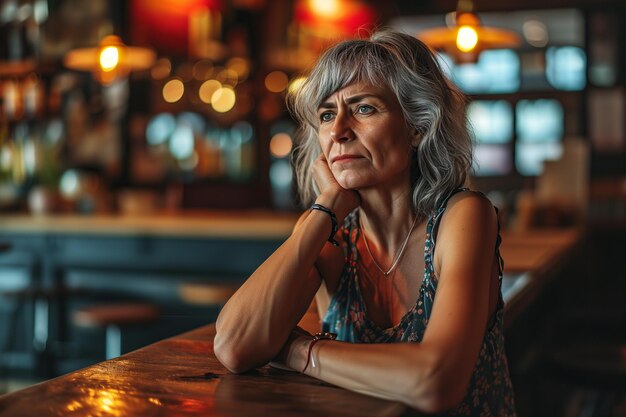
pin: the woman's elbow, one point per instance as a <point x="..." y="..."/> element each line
<point x="435" y="403"/>
<point x="434" y="393"/>
<point x="229" y="356"/>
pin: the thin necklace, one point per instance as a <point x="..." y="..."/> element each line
<point x="398" y="256"/>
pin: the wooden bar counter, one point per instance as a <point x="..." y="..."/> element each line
<point x="180" y="376"/>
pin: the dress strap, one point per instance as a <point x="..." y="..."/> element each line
<point x="441" y="207"/>
<point x="444" y="201"/>
<point x="429" y="284"/>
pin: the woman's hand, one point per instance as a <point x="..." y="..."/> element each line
<point x="332" y="195"/>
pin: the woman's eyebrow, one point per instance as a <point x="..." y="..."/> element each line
<point x="360" y="97"/>
<point x="350" y="100"/>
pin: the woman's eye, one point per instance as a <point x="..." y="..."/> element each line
<point x="364" y="109"/>
<point x="326" y="116"/>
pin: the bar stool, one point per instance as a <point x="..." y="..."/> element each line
<point x="112" y="317"/>
<point x="30" y="300"/>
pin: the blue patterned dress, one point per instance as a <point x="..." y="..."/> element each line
<point x="490" y="392"/>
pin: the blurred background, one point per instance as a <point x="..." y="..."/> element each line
<point x="145" y="160"/>
<point x="185" y="109"/>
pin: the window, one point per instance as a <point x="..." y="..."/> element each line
<point x="566" y="67"/>
<point x="497" y="71"/>
<point x="492" y="125"/>
<point x="539" y="134"/>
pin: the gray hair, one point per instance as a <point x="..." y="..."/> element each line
<point x="430" y="103"/>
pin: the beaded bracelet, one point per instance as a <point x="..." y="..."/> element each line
<point x="333" y="219"/>
<point x="316" y="338"/>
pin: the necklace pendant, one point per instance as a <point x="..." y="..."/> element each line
<point x="398" y="256"/>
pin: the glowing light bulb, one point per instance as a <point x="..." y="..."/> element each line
<point x="326" y="8"/>
<point x="466" y="38"/>
<point x="109" y="58"/>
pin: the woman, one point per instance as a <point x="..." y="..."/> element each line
<point x="383" y="152"/>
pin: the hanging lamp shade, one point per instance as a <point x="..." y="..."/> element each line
<point x="111" y="60"/>
<point x="465" y="38"/>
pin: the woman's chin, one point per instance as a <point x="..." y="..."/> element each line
<point x="352" y="185"/>
<point x="345" y="181"/>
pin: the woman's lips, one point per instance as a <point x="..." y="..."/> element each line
<point x="346" y="158"/>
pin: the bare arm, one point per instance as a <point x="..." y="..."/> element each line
<point x="255" y="323"/>
<point x="433" y="375"/>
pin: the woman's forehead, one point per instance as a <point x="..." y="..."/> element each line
<point x="358" y="88"/>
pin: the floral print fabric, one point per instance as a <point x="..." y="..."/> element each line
<point x="490" y="392"/>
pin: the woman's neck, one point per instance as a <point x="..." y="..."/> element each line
<point x="386" y="217"/>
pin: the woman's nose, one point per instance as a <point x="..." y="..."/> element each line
<point x="341" y="130"/>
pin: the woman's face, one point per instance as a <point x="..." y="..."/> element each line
<point x="364" y="137"/>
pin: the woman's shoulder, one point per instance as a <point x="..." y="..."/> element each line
<point x="468" y="207"/>
<point x="467" y="199"/>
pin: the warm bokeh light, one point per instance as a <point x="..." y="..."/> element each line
<point x="11" y="95"/>
<point x="171" y="24"/>
<point x="325" y="8"/>
<point x="109" y="58"/>
<point x="466" y="38"/>
<point x="223" y="99"/>
<point x="276" y="81"/>
<point x="203" y="70"/>
<point x="333" y="19"/>
<point x="161" y="69"/>
<point x="173" y="90"/>
<point x="207" y="89"/>
<point x="227" y="77"/>
<point x="281" y="145"/>
<point x="241" y="66"/>
<point x="295" y="84"/>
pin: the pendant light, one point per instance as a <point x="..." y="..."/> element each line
<point x="111" y="60"/>
<point x="464" y="37"/>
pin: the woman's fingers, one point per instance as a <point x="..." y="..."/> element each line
<point x="323" y="176"/>
<point x="345" y="200"/>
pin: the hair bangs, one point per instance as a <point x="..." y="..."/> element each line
<point x="354" y="61"/>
